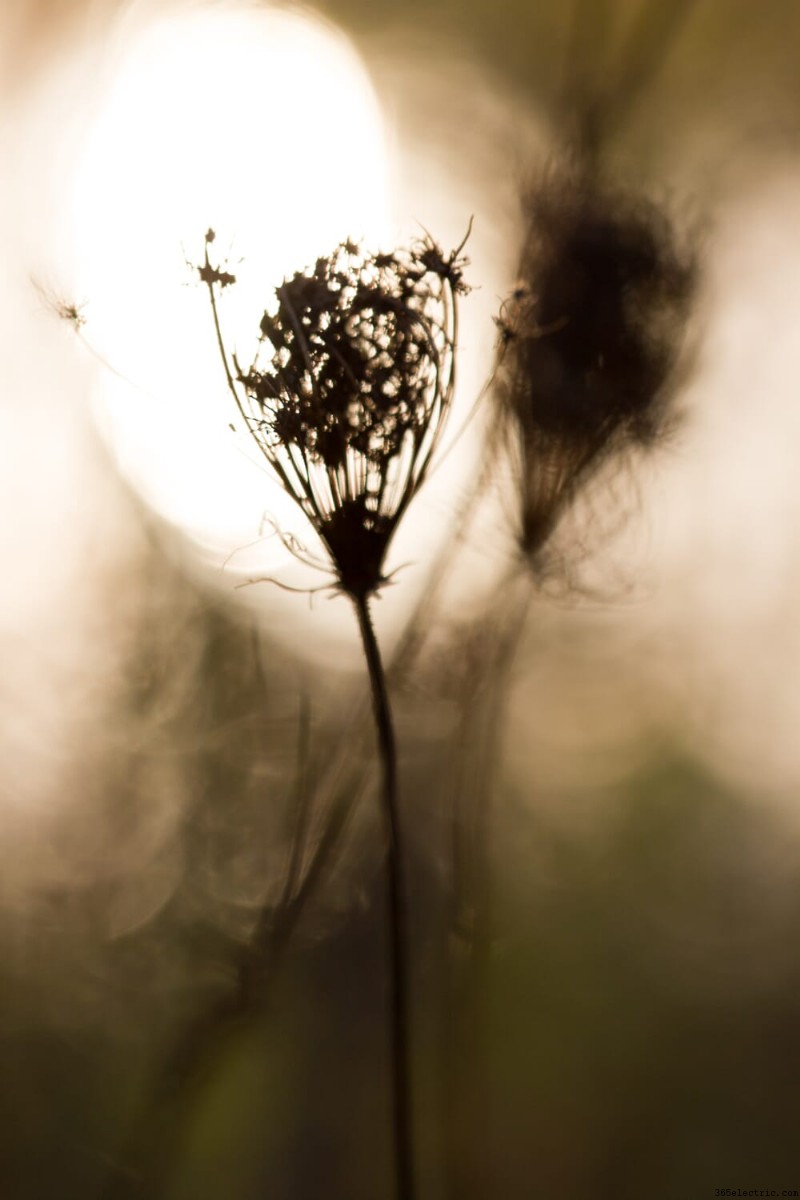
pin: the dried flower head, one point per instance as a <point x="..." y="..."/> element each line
<point x="348" y="392"/>
<point x="589" y="340"/>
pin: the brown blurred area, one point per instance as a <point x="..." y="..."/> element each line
<point x="632" y="1027"/>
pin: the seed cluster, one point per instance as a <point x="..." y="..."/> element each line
<point x="590" y="338"/>
<point x="349" y="389"/>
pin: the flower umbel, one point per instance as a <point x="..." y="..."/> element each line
<point x="589" y="340"/>
<point x="349" y="390"/>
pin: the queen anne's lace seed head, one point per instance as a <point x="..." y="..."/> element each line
<point x="589" y="340"/>
<point x="349" y="390"/>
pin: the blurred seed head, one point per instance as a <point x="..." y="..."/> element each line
<point x="349" y="391"/>
<point x="589" y="340"/>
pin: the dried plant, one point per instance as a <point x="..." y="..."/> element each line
<point x="348" y="393"/>
<point x="346" y="398"/>
<point x="590" y="344"/>
<point x="589" y="341"/>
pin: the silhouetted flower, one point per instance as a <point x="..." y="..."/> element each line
<point x="589" y="339"/>
<point x="349" y="390"/>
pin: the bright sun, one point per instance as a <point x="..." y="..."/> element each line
<point x="263" y="125"/>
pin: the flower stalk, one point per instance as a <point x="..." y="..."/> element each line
<point x="347" y="397"/>
<point x="396" y="911"/>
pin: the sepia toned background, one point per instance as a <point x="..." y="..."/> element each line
<point x="631" y="1026"/>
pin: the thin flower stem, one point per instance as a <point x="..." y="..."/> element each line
<point x="270" y="938"/>
<point x="465" y="1041"/>
<point x="396" y="909"/>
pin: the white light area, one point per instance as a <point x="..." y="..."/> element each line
<point x="729" y="510"/>
<point x="263" y="125"/>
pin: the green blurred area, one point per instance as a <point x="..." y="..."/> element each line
<point x="636" y="1030"/>
<point x="679" y="67"/>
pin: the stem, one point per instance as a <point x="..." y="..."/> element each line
<point x="396" y="911"/>
<point x="273" y="927"/>
<point x="466" y="1033"/>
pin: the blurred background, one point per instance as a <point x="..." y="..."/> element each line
<point x="604" y="851"/>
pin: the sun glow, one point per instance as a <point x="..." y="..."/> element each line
<point x="263" y="125"/>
